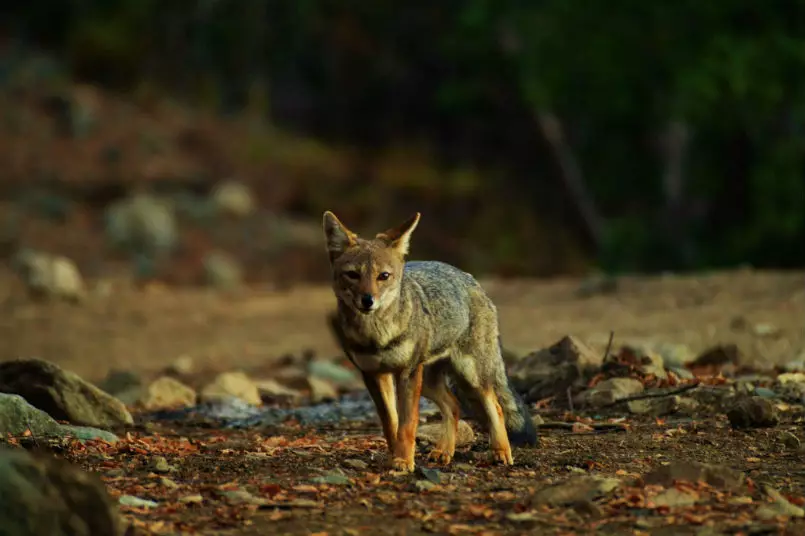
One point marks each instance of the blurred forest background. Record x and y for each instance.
(201, 140)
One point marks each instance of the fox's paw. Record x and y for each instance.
(440, 456)
(402, 465)
(503, 456)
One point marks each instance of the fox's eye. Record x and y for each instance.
(383, 276)
(352, 274)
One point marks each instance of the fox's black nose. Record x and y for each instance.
(367, 301)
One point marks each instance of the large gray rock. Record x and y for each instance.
(62, 394)
(18, 417)
(551, 371)
(46, 496)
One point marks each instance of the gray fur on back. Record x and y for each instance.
(445, 296)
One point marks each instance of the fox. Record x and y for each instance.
(421, 328)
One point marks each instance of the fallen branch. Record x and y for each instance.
(655, 394)
(609, 345)
(600, 427)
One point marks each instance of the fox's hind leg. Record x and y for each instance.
(381, 389)
(498, 438)
(480, 372)
(434, 387)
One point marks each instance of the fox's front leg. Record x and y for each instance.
(381, 389)
(409, 389)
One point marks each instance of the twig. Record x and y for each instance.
(644, 396)
(598, 427)
(609, 344)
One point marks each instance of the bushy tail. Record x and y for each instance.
(519, 426)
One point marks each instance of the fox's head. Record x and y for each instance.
(367, 272)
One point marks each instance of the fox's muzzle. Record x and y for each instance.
(366, 303)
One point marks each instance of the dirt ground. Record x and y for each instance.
(280, 467)
(143, 330)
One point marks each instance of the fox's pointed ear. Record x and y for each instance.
(399, 237)
(339, 238)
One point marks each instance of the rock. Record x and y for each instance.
(674, 356)
(682, 373)
(321, 390)
(333, 478)
(789, 440)
(791, 377)
(241, 496)
(181, 366)
(136, 502)
(791, 386)
(765, 392)
(609, 391)
(766, 330)
(796, 365)
(654, 407)
(651, 363)
(752, 412)
(87, 433)
(160, 465)
(142, 224)
(168, 483)
(779, 507)
(551, 371)
(124, 385)
(431, 475)
(17, 416)
(674, 498)
(716, 475)
(659, 407)
(293, 377)
(49, 276)
(423, 486)
(168, 393)
(46, 496)
(273, 390)
(537, 420)
(717, 356)
(232, 384)
(574, 490)
(334, 373)
(62, 394)
(356, 464)
(221, 270)
(233, 198)
(431, 433)
(647, 361)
